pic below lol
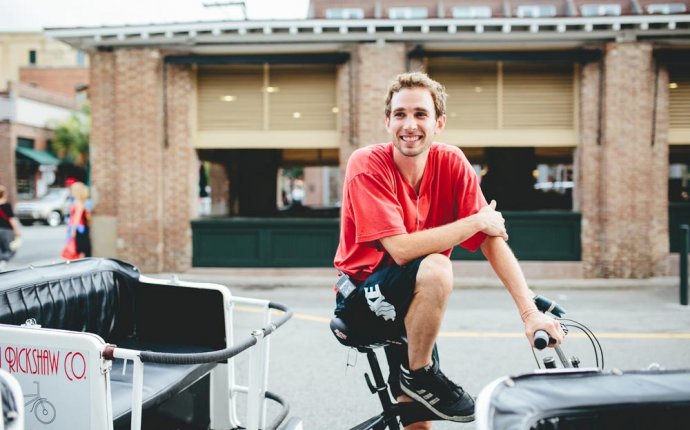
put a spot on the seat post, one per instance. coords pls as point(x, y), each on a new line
point(380, 384)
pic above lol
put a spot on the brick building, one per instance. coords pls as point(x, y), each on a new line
point(41, 81)
point(573, 112)
point(27, 168)
point(23, 51)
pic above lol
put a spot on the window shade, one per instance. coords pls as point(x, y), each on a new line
point(472, 92)
point(230, 97)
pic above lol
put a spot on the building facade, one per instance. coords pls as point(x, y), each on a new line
point(23, 51)
point(42, 81)
point(571, 107)
point(26, 114)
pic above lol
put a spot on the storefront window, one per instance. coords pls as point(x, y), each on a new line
point(525, 178)
point(679, 174)
point(309, 188)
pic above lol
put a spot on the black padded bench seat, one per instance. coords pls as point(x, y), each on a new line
point(161, 382)
point(111, 299)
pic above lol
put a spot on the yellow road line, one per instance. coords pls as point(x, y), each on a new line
point(599, 335)
point(307, 317)
point(504, 335)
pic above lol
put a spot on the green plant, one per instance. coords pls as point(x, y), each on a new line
point(71, 137)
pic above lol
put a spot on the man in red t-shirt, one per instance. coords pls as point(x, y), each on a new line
point(406, 204)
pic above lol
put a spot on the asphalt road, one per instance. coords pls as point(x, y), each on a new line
point(40, 244)
point(481, 341)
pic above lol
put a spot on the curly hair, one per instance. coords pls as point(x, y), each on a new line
point(418, 80)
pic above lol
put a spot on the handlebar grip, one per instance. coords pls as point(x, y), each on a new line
point(541, 339)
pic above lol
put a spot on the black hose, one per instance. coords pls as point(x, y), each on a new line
point(197, 357)
point(283, 412)
point(280, 321)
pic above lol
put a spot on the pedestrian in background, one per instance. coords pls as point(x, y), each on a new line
point(9, 230)
point(80, 221)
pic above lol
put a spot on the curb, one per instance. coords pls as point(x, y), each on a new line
point(303, 281)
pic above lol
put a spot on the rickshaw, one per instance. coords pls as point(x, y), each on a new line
point(94, 344)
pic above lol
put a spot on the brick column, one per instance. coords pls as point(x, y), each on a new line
point(345, 81)
point(587, 198)
point(102, 150)
point(376, 66)
point(139, 157)
point(362, 85)
point(127, 156)
point(623, 165)
point(180, 170)
point(8, 174)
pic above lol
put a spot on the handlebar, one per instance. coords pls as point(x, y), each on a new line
point(542, 338)
point(544, 304)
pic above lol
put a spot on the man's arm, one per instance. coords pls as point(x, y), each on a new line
point(509, 272)
point(404, 248)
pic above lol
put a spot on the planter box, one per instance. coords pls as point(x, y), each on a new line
point(311, 242)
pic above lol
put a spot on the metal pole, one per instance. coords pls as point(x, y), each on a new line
point(685, 230)
point(562, 357)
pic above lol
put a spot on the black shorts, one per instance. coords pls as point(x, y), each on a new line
point(376, 312)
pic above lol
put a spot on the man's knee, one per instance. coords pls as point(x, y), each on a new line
point(436, 271)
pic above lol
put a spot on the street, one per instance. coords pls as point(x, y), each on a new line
point(481, 341)
point(41, 244)
point(481, 338)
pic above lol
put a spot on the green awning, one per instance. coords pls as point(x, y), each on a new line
point(40, 157)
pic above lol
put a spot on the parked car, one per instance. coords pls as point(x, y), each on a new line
point(51, 209)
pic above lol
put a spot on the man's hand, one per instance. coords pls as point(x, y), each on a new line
point(538, 321)
point(492, 221)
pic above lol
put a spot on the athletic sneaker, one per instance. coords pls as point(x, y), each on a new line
point(433, 389)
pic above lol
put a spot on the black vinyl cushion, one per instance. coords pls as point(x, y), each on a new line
point(161, 382)
point(92, 295)
point(105, 297)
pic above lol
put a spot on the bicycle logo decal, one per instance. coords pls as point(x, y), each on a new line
point(42, 408)
point(56, 383)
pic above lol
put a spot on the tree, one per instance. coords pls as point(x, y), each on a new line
point(71, 141)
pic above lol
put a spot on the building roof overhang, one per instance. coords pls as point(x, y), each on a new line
point(331, 35)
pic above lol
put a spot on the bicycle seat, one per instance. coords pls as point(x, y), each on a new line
point(363, 341)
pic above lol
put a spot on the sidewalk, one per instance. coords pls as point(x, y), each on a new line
point(468, 275)
point(541, 275)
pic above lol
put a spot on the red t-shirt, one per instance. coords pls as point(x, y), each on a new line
point(378, 202)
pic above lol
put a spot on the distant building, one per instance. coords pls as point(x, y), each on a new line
point(26, 114)
point(574, 112)
point(41, 81)
point(30, 57)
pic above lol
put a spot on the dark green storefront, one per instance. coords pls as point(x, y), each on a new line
point(311, 242)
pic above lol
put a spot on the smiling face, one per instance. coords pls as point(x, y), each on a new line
point(412, 122)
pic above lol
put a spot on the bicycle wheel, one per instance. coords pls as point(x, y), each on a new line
point(44, 411)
